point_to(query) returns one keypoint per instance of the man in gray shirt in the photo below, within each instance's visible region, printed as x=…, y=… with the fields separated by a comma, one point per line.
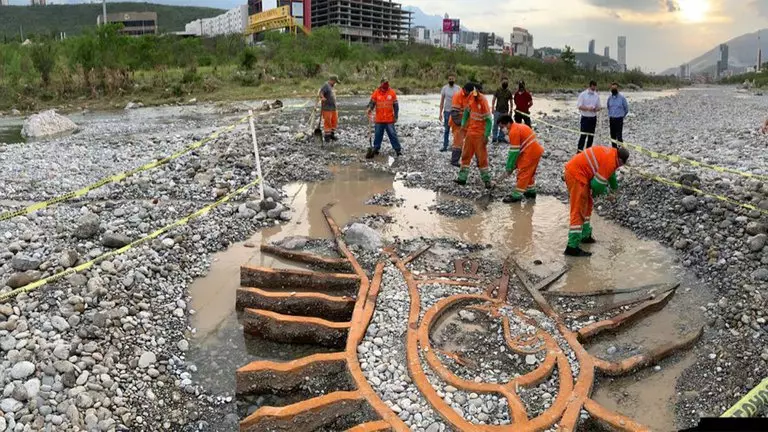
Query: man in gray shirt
x=446, y=99
x=328, y=108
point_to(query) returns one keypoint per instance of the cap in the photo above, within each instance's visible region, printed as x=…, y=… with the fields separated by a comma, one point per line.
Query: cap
x=384, y=80
x=334, y=78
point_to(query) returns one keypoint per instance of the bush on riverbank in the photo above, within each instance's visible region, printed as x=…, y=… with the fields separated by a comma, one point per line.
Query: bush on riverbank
x=104, y=66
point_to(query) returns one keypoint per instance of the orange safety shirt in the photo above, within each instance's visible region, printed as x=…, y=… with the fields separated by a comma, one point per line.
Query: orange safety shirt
x=479, y=113
x=520, y=137
x=385, y=105
x=594, y=163
x=458, y=104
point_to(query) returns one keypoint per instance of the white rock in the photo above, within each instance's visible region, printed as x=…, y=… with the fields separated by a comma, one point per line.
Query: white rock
x=47, y=123
x=147, y=359
x=22, y=370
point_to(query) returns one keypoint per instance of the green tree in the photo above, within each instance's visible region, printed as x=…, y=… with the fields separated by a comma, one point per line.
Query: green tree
x=568, y=56
x=43, y=55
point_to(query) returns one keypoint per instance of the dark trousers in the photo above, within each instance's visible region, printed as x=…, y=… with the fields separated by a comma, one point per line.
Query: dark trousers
x=522, y=118
x=588, y=127
x=617, y=130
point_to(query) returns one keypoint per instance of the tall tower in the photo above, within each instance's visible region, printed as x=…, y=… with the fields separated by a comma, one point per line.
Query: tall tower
x=622, y=56
x=607, y=52
x=759, y=53
x=592, y=46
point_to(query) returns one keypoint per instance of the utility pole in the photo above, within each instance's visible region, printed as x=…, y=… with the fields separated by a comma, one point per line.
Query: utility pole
x=21, y=33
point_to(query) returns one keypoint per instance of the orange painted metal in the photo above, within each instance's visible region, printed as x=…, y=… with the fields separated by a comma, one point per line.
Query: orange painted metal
x=333, y=308
x=266, y=376
x=307, y=258
x=316, y=412
x=626, y=317
x=377, y=426
x=288, y=280
x=295, y=329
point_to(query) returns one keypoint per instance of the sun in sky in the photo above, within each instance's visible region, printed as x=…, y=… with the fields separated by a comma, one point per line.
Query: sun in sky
x=693, y=10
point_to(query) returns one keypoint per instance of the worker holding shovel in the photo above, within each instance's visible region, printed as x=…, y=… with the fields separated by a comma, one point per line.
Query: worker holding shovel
x=524, y=155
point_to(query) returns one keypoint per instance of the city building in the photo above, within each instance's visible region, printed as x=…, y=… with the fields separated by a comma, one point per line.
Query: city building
x=368, y=21
x=722, y=63
x=35, y=2
x=421, y=35
x=622, y=52
x=134, y=23
x=607, y=52
x=685, y=71
x=300, y=9
x=522, y=42
x=233, y=21
x=592, y=46
x=3, y=2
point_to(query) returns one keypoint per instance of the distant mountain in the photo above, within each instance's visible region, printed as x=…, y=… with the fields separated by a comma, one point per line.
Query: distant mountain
x=218, y=4
x=742, y=52
x=421, y=18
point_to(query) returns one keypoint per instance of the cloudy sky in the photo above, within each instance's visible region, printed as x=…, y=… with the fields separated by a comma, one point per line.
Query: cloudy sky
x=660, y=33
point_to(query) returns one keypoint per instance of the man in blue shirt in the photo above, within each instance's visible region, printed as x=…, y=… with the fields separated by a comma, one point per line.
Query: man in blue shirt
x=618, y=108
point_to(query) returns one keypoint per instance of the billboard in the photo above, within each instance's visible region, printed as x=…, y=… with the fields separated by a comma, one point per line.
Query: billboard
x=451, y=25
x=271, y=14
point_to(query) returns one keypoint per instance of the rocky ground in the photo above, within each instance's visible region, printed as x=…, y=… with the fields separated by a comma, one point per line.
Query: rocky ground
x=104, y=349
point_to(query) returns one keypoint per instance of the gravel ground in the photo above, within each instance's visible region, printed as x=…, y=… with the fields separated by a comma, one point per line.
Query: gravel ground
x=105, y=349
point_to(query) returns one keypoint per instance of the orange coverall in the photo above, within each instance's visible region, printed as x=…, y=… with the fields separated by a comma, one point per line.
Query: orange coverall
x=524, y=154
x=458, y=104
x=592, y=168
x=477, y=119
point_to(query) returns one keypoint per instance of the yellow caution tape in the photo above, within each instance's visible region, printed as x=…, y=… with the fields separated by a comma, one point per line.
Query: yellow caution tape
x=85, y=266
x=656, y=155
x=118, y=177
x=678, y=185
x=753, y=404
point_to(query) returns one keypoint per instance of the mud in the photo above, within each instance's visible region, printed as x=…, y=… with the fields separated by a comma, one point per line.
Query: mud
x=533, y=234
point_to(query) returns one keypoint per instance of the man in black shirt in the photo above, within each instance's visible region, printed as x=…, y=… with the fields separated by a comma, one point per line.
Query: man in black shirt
x=502, y=106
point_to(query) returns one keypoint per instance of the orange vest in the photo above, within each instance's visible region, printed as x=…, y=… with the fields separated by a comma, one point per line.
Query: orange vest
x=594, y=162
x=521, y=136
x=479, y=113
x=385, y=105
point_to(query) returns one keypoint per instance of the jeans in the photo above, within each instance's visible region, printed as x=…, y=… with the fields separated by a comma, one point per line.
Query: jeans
x=617, y=130
x=522, y=118
x=497, y=135
x=378, y=137
x=447, y=126
x=588, y=126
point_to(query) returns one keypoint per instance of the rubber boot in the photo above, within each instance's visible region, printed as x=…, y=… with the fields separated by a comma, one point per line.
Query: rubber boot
x=334, y=137
x=463, y=176
x=530, y=193
x=486, y=177
x=514, y=198
x=456, y=157
x=573, y=249
x=327, y=138
x=586, y=234
x=371, y=153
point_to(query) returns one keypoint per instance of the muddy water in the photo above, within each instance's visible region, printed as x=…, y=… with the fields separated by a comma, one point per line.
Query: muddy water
x=529, y=232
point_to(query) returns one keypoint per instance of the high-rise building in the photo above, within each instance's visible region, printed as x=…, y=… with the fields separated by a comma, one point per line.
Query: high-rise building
x=3, y=2
x=369, y=21
x=722, y=64
x=36, y=2
x=421, y=35
x=622, y=54
x=592, y=46
x=134, y=23
x=521, y=42
x=685, y=71
x=607, y=52
x=232, y=21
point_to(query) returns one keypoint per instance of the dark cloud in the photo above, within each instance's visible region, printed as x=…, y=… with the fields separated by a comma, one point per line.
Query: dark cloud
x=641, y=5
x=761, y=6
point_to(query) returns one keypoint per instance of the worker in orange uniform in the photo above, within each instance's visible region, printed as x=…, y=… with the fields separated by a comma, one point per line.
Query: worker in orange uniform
x=524, y=155
x=478, y=122
x=458, y=105
x=589, y=173
x=384, y=103
x=328, y=109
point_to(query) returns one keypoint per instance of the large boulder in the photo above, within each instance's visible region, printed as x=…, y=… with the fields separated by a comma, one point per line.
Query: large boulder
x=363, y=236
x=45, y=124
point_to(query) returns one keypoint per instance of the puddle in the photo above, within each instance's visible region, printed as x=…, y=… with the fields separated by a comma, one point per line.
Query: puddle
x=528, y=232
x=10, y=135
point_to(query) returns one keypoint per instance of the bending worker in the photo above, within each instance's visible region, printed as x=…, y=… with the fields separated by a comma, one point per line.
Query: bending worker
x=458, y=105
x=384, y=102
x=589, y=173
x=524, y=155
x=478, y=122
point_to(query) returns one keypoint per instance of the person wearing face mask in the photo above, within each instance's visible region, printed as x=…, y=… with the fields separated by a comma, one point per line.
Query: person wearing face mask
x=589, y=106
x=446, y=94
x=478, y=122
x=384, y=104
x=502, y=99
x=523, y=104
x=524, y=156
x=589, y=173
x=618, y=108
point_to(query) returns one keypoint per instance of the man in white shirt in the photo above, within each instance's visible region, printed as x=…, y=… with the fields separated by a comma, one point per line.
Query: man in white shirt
x=589, y=106
x=446, y=98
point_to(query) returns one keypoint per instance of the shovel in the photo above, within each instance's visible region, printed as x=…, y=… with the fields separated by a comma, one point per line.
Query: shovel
x=370, y=153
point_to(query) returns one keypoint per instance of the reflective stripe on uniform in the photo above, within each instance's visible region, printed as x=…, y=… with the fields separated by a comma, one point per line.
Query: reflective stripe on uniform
x=592, y=161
